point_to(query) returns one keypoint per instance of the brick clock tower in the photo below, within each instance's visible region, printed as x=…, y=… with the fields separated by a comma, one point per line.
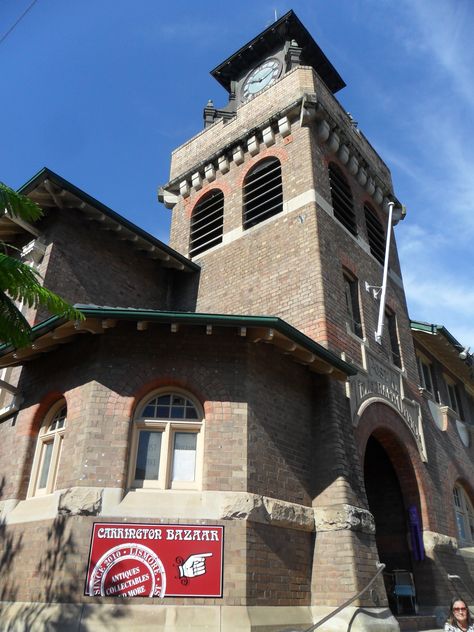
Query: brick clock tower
x=284, y=205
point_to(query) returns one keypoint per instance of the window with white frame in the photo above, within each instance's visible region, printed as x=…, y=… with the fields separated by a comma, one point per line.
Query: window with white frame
x=48, y=451
x=454, y=399
x=464, y=516
x=427, y=376
x=167, y=443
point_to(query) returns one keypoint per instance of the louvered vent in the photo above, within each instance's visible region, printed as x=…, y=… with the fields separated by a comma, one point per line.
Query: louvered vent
x=375, y=233
x=263, y=192
x=342, y=199
x=207, y=223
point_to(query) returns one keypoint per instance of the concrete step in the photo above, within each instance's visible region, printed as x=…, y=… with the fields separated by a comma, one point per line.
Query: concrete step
x=415, y=623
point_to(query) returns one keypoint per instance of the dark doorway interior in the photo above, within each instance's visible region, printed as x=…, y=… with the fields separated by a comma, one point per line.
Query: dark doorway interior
x=387, y=506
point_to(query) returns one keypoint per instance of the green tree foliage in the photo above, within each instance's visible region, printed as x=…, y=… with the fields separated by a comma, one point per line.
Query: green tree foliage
x=19, y=282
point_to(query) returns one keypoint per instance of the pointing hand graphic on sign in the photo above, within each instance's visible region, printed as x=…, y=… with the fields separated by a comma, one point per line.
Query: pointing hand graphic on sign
x=195, y=565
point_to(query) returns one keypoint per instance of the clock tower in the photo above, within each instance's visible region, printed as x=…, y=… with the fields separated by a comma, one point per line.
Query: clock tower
x=269, y=56
x=286, y=207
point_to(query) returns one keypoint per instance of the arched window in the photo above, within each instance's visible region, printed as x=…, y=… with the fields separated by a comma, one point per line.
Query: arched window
x=207, y=222
x=48, y=451
x=341, y=196
x=375, y=234
x=464, y=516
x=167, y=443
x=263, y=192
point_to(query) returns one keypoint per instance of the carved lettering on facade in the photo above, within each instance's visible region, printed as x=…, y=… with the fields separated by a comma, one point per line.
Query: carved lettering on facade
x=383, y=382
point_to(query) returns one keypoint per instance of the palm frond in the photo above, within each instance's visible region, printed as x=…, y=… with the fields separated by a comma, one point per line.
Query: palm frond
x=20, y=282
x=17, y=205
x=17, y=278
x=14, y=328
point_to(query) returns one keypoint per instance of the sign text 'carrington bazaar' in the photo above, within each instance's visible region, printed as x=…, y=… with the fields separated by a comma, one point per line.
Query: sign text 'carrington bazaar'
x=146, y=560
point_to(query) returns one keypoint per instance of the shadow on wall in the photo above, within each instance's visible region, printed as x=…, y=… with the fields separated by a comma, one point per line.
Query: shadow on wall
x=58, y=604
x=9, y=550
x=435, y=588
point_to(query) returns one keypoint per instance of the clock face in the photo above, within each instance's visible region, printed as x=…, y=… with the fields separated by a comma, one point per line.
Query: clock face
x=261, y=77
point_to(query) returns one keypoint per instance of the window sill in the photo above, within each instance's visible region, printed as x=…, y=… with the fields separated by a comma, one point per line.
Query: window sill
x=428, y=395
x=360, y=339
x=35, y=508
x=91, y=501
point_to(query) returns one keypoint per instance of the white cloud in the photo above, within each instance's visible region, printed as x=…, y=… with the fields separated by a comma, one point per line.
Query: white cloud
x=436, y=293
x=444, y=29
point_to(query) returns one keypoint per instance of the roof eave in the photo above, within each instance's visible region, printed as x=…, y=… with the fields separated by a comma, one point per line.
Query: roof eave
x=174, y=258
x=264, y=328
x=295, y=27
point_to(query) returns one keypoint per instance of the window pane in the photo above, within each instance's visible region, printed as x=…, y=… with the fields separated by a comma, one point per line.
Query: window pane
x=461, y=528
x=177, y=412
x=149, y=411
x=352, y=306
x=170, y=407
x=452, y=397
x=191, y=412
x=184, y=456
x=58, y=420
x=391, y=325
x=457, y=499
x=427, y=376
x=148, y=456
x=47, y=452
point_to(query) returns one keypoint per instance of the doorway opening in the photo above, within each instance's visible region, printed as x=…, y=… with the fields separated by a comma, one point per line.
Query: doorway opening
x=390, y=511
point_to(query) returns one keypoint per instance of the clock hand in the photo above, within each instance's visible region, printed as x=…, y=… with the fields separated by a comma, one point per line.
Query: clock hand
x=268, y=73
x=264, y=76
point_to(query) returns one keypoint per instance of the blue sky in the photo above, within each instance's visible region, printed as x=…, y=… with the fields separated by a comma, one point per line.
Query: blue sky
x=101, y=91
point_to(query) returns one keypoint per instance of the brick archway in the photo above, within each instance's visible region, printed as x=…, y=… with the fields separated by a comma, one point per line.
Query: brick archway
x=387, y=427
x=392, y=470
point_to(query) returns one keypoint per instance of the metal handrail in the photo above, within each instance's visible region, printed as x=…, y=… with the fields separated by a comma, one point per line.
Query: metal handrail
x=380, y=568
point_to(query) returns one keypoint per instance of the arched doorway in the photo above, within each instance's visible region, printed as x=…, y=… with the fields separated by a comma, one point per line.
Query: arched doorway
x=393, y=498
x=386, y=503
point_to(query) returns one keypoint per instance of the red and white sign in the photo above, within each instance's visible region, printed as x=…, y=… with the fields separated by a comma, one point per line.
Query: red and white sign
x=155, y=560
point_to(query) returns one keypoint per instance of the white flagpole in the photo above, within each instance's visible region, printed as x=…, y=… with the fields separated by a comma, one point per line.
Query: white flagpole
x=378, y=333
